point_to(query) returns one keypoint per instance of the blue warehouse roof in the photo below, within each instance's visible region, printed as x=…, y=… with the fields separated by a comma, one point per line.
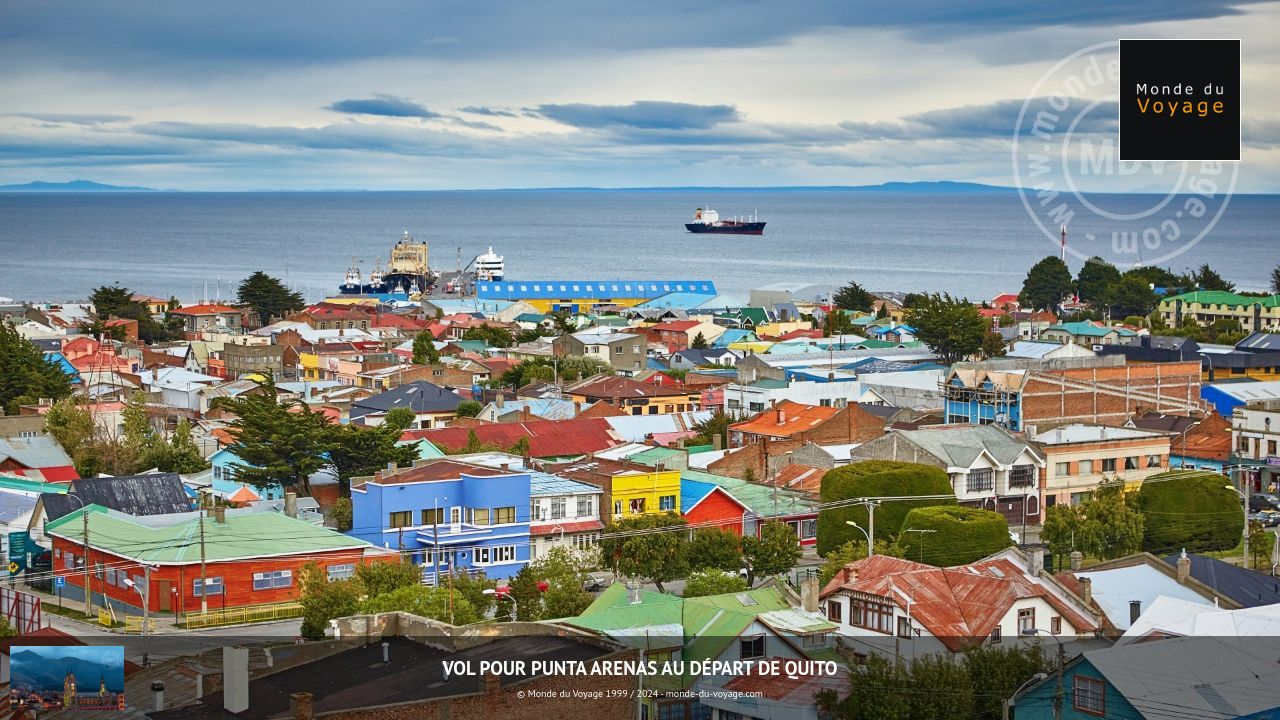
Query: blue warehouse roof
x=589, y=289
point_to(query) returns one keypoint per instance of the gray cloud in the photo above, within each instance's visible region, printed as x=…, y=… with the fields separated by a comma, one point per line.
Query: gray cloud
x=72, y=118
x=491, y=112
x=384, y=106
x=642, y=114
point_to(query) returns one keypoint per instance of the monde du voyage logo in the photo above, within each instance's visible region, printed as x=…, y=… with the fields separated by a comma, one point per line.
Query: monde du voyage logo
x=1180, y=100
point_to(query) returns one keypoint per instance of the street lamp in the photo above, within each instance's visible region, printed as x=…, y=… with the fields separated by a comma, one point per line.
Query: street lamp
x=1006, y=704
x=88, y=588
x=507, y=595
x=1057, y=694
x=143, y=592
x=1244, y=502
x=870, y=550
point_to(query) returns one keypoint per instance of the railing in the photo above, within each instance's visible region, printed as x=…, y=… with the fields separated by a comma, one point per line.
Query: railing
x=104, y=618
x=133, y=623
x=238, y=615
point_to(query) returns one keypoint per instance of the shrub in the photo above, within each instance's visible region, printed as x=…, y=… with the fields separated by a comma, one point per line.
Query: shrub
x=961, y=535
x=876, y=478
x=1192, y=510
x=713, y=582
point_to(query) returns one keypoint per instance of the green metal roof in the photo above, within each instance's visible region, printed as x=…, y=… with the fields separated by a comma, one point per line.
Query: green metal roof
x=654, y=455
x=760, y=499
x=1222, y=297
x=16, y=483
x=250, y=535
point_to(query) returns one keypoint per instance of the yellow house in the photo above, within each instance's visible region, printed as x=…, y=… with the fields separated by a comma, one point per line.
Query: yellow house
x=755, y=346
x=309, y=365
x=778, y=329
x=1254, y=313
x=629, y=490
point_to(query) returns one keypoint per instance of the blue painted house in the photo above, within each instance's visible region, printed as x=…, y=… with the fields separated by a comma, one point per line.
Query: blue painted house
x=447, y=514
x=1187, y=677
x=225, y=466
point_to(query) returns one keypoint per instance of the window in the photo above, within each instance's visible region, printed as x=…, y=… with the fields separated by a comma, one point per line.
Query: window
x=1055, y=625
x=434, y=516
x=751, y=647
x=835, y=613
x=585, y=506
x=996, y=636
x=815, y=640
x=401, y=519
x=111, y=577
x=618, y=350
x=269, y=580
x=479, y=516
x=667, y=502
x=1153, y=461
x=1022, y=476
x=1086, y=467
x=536, y=512
x=1089, y=695
x=69, y=561
x=341, y=572
x=1062, y=469
x=494, y=555
x=1131, y=462
x=637, y=506
x=1026, y=620
x=1109, y=465
x=212, y=586
x=904, y=627
x=980, y=480
x=557, y=508
x=504, y=515
x=617, y=507
x=871, y=615
x=808, y=529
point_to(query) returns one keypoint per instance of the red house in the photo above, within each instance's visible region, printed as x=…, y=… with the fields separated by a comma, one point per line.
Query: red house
x=251, y=558
x=706, y=504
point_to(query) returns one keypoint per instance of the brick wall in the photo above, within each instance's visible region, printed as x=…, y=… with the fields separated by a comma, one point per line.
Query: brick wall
x=1114, y=394
x=851, y=424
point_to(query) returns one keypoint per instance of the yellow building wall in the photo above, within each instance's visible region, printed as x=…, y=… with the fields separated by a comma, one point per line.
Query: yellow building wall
x=584, y=305
x=648, y=486
x=778, y=329
x=755, y=346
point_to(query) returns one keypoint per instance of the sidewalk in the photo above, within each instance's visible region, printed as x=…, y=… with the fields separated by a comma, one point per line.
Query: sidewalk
x=49, y=602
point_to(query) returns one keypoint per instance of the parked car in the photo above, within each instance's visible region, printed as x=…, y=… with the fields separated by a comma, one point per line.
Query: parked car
x=1263, y=501
x=593, y=584
x=1268, y=518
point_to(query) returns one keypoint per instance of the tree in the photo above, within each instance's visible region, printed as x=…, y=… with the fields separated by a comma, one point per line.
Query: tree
x=425, y=601
x=837, y=322
x=491, y=335
x=774, y=552
x=472, y=587
x=267, y=297
x=1260, y=543
x=380, y=578
x=341, y=513
x=186, y=456
x=424, y=349
x=564, y=570
x=469, y=408
x=1105, y=526
x=658, y=555
x=323, y=600
x=26, y=375
x=715, y=549
x=1192, y=510
x=993, y=345
x=715, y=426
x=6, y=630
x=1207, y=279
x=876, y=478
x=713, y=582
x=569, y=368
x=1131, y=296
x=113, y=301
x=956, y=535
x=360, y=450
x=1096, y=279
x=699, y=342
x=852, y=551
x=1047, y=283
x=853, y=297
x=1275, y=280
x=281, y=443
x=74, y=429
x=952, y=328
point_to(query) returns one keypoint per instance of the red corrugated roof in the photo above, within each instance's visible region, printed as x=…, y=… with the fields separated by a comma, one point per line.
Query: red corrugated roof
x=547, y=438
x=59, y=473
x=574, y=527
x=676, y=325
x=609, y=387
x=207, y=309
x=786, y=419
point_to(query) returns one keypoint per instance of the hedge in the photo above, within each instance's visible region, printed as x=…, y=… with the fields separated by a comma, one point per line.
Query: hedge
x=876, y=478
x=960, y=535
x=1192, y=510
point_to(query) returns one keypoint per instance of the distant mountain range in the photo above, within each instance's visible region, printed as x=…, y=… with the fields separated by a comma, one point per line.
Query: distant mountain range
x=46, y=672
x=72, y=186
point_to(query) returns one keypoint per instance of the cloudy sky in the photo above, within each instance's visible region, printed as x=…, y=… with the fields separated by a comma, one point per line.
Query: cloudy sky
x=417, y=94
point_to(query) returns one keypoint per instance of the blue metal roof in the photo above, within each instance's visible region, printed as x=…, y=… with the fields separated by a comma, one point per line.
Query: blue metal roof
x=692, y=492
x=589, y=289
x=541, y=483
x=681, y=300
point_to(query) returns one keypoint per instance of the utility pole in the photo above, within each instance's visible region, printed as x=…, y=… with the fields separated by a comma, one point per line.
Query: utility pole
x=204, y=580
x=1058, y=692
x=88, y=589
x=871, y=506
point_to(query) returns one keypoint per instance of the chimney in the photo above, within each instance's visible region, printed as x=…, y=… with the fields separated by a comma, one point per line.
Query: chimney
x=1086, y=590
x=525, y=415
x=809, y=594
x=220, y=515
x=505, y=465
x=157, y=689
x=1036, y=563
x=782, y=415
x=500, y=401
x=301, y=706
x=392, y=467
x=1184, y=568
x=633, y=592
x=717, y=442
x=235, y=679
x=577, y=408
x=1077, y=560
x=1135, y=611
x=773, y=402
x=490, y=684
x=386, y=653
x=291, y=504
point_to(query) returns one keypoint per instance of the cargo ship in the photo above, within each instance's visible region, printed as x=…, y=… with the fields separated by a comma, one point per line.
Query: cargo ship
x=407, y=273
x=708, y=221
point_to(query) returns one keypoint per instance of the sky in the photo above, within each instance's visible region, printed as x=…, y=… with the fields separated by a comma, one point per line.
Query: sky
x=420, y=94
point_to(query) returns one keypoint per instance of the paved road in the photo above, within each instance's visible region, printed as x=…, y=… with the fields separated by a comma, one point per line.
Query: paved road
x=168, y=643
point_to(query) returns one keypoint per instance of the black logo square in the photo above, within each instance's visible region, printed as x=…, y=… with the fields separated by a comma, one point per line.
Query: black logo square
x=1180, y=99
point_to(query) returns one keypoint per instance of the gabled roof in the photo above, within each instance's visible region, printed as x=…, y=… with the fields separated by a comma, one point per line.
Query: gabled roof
x=960, y=445
x=1260, y=342
x=1246, y=587
x=547, y=438
x=207, y=309
x=151, y=494
x=787, y=418
x=693, y=492
x=39, y=452
x=421, y=397
x=613, y=386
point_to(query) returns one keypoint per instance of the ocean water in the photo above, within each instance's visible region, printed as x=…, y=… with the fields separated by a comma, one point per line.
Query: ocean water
x=61, y=246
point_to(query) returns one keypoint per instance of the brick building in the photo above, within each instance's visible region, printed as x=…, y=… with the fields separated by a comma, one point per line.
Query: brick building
x=1079, y=458
x=787, y=426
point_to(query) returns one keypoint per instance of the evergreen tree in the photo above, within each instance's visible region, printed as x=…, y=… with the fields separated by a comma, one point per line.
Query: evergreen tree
x=26, y=375
x=1131, y=296
x=952, y=328
x=1047, y=284
x=699, y=342
x=993, y=345
x=853, y=297
x=1275, y=280
x=1095, y=281
x=357, y=451
x=424, y=349
x=1207, y=279
x=282, y=443
x=267, y=297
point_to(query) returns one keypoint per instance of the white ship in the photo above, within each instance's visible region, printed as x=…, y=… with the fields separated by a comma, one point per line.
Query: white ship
x=489, y=266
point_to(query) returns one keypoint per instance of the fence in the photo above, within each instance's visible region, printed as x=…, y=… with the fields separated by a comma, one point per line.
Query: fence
x=21, y=610
x=236, y=616
x=133, y=623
